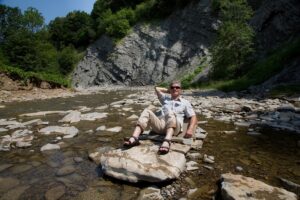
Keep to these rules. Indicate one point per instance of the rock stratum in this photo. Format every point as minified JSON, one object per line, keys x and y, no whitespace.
{"x":176,"y":46}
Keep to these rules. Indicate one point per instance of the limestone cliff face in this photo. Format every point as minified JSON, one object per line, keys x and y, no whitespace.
{"x":174,"y":47}
{"x":150,"y":53}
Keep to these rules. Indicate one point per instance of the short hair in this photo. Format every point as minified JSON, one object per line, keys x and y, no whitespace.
{"x":177,"y":82}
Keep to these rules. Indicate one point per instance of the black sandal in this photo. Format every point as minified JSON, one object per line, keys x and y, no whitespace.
{"x":128,"y":143}
{"x":163,"y":149}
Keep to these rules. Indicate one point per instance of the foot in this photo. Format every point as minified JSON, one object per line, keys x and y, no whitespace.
{"x":165,"y":147}
{"x":131,"y":142}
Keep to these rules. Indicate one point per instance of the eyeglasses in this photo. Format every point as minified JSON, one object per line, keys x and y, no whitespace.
{"x":175,"y":87}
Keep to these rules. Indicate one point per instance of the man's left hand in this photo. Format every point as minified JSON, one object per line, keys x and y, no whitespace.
{"x":188,"y":134}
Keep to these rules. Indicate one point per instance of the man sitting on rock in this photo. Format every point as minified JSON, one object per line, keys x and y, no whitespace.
{"x":175,"y":109}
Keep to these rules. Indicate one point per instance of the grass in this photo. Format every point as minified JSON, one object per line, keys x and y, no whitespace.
{"x":262,"y":70}
{"x":53,"y":79}
{"x":285,"y":90}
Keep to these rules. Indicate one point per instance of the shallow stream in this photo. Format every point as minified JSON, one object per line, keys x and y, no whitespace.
{"x":31,"y":174}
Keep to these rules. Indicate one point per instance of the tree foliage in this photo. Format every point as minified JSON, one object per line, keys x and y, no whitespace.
{"x":10,"y":21}
{"x":25,"y":41}
{"x":33,"y":20}
{"x":74,"y":29}
{"x":115,"y":17}
{"x":234,"y":41}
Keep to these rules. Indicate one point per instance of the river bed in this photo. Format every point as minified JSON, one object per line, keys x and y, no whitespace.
{"x":28,"y":173}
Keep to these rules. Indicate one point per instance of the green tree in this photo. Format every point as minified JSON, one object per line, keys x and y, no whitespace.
{"x":27,"y":52}
{"x":10,"y":21}
{"x":33,"y":20}
{"x":74,"y":29}
{"x":117,"y":25}
{"x":234,"y":41}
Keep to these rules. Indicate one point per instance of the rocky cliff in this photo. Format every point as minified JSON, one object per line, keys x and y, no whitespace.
{"x":152,"y":53}
{"x":169,"y":49}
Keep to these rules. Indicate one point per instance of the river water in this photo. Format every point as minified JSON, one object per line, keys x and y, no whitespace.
{"x":31,"y":174}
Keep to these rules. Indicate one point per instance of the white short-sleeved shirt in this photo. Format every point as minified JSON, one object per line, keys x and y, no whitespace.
{"x":181,"y":107}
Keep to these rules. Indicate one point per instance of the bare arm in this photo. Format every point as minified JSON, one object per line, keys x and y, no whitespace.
{"x":191,"y":127}
{"x":160,"y":90}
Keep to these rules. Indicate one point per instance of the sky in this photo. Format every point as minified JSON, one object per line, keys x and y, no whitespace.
{"x":52,"y":8}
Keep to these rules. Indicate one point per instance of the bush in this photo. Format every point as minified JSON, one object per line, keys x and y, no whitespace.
{"x":54,"y":79}
{"x":144,"y":9}
{"x":186,"y":81}
{"x":67,"y":59}
{"x":117,"y":25}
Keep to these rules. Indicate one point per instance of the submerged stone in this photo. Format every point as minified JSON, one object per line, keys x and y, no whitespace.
{"x":49,"y":147}
{"x":69,"y":132}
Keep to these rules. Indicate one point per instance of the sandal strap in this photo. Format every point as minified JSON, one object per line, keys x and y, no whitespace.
{"x":135,"y":138}
{"x":168,"y":141}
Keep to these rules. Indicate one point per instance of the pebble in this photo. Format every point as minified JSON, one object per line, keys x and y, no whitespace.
{"x":208,"y":167}
{"x":65,"y":171}
{"x":7,"y":183}
{"x":20,"y":168}
{"x":115,"y":129}
{"x":239,"y":168}
{"x":194,"y":155}
{"x":55,"y":193}
{"x":229,"y":132}
{"x":190,"y":182}
{"x":5,"y":166}
{"x":78,"y":159}
{"x":208,"y":159}
{"x":253,"y":133}
{"x":15,"y":193}
{"x":191,"y":165}
{"x":101,"y":128}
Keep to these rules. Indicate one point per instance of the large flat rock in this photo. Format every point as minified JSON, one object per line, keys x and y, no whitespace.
{"x":143,"y":163}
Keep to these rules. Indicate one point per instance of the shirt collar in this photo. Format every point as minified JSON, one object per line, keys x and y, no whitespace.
{"x":178,"y":99}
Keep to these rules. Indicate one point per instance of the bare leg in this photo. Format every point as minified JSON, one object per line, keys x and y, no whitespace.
{"x":136,"y":133}
{"x":169,"y":133}
{"x":165,"y":146}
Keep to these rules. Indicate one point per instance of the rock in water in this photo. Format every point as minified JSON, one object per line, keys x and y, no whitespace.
{"x":238,"y":187}
{"x":143,"y":163}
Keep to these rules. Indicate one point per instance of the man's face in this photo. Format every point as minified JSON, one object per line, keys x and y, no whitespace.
{"x":175,"y":90}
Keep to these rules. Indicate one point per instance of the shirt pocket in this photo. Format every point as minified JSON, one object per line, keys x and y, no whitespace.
{"x":178,"y":107}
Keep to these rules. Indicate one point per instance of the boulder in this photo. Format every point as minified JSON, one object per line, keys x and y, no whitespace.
{"x":241,"y":187}
{"x":143,"y":163}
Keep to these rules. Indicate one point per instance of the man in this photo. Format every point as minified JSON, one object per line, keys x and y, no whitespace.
{"x":175,"y":109}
